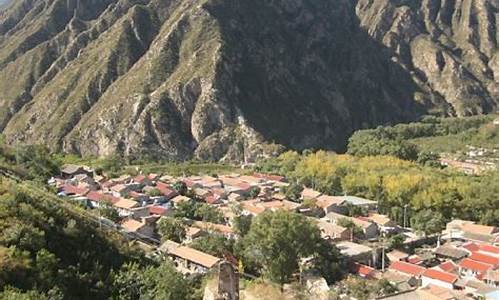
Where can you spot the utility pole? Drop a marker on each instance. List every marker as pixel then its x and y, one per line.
pixel 383 252
pixel 404 216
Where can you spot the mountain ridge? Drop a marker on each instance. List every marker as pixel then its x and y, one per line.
pixel 230 80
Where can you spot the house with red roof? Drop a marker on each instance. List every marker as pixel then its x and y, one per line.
pixel 448 266
pixel 98 198
pixel 72 190
pixel 483 258
pixel 439 278
pixel 143 180
pixel 166 190
pixel 472 269
pixel 363 271
pixel 407 268
pixel 159 210
pixel 489 249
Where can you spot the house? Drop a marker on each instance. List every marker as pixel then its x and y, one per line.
pixel 143 180
pixel 123 179
pixel 70 170
pixel 124 206
pixel 121 190
pixel 469 231
pixel 212 199
pixel 384 223
pixel 189 260
pixel 153 177
pixel 484 258
pixel 479 229
pixel 448 266
pixel 193 233
pixel 234 197
pixel 139 197
pixel 269 177
pixel 450 252
pixel 402 281
pixel 330 204
pixel 71 190
pixel 370 229
pixel 179 198
pixel 98 198
pixel 356 252
pixel 309 194
pixel 397 255
pixel 407 268
pixel 363 271
pixel 139 212
pixel 439 278
pixel 202 193
pixel 472 269
pixel 360 202
pixel 436 292
pixel 144 227
pixel 212 227
pixel 334 232
pixel 159 210
pixel 166 190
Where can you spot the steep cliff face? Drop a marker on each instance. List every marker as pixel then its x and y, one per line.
pixel 230 80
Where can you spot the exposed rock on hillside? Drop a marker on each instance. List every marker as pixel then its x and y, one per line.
pixel 230 80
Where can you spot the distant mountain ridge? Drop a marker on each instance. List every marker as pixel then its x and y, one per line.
pixel 229 79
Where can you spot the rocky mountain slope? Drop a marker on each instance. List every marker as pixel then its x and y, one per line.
pixel 232 79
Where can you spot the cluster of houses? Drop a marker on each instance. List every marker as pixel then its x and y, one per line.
pixel 464 263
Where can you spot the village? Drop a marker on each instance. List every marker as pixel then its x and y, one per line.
pixel 461 262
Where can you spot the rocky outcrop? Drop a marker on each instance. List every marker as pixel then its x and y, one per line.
pixel 235 80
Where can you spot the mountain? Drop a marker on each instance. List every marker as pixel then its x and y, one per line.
pixel 233 79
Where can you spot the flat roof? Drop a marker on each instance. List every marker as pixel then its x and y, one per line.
pixel 354 200
pixel 352 249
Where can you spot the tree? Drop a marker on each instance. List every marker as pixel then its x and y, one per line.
pixel 172 229
pixel 327 262
pixel 214 244
pixel 154 192
pixel 186 209
pixel 153 283
pixel 427 158
pixel 427 222
pixel 180 187
pixel 277 240
pixel 107 211
pixel 242 224
pixel 396 241
pixel 208 213
pixel 292 191
pixel 349 224
pixel 254 192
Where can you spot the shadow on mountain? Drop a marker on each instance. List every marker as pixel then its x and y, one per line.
pixel 307 74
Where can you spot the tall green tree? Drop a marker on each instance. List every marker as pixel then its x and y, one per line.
pixel 172 229
pixel 427 222
pixel 277 240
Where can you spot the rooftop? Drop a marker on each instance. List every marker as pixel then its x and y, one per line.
pixel 358 200
pixel 407 268
pixel 132 225
pixel 474 265
pixel 450 251
pixel 440 275
pixel 479 229
pixel 352 249
pixel 193 255
pixel 487 259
